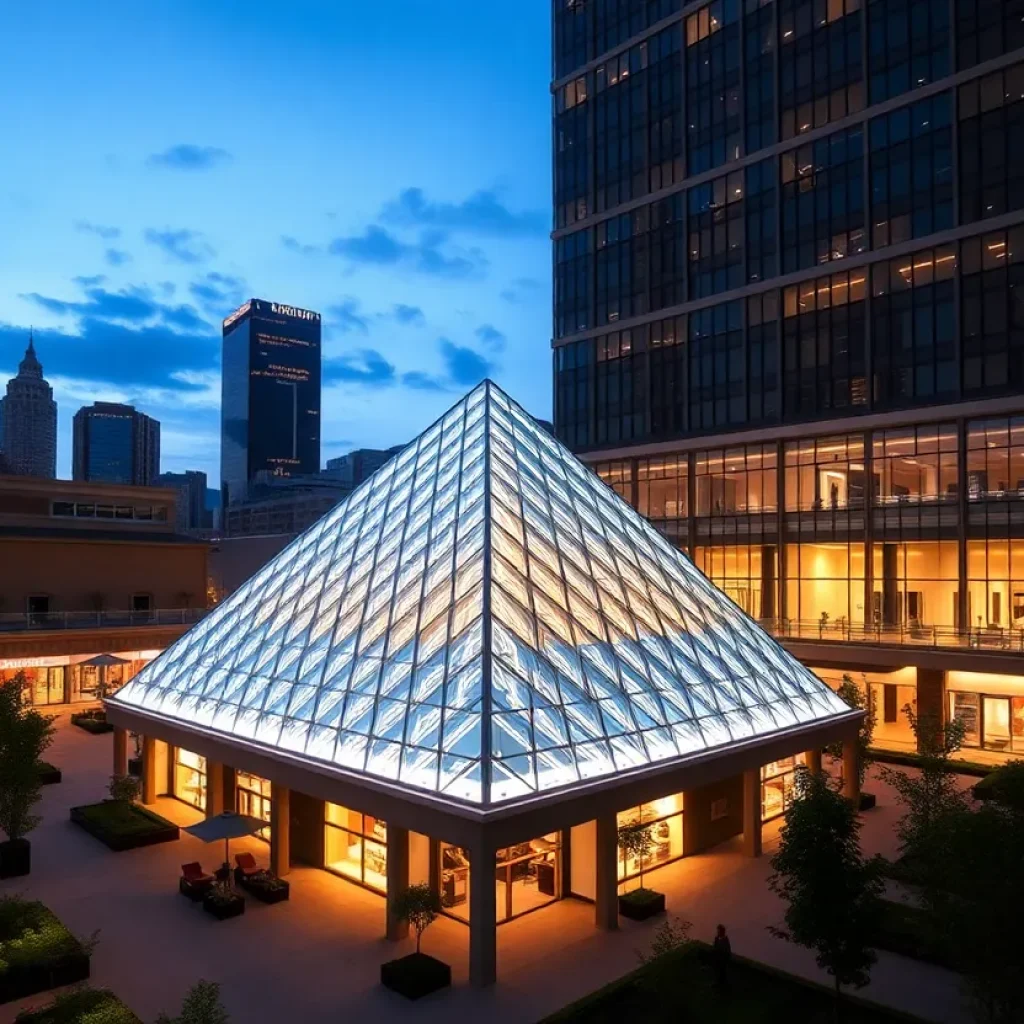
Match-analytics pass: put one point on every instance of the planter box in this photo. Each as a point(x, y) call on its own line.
point(49, 775)
point(641, 904)
point(196, 893)
point(92, 724)
point(160, 830)
point(27, 981)
point(15, 858)
point(222, 910)
point(265, 894)
point(415, 975)
point(867, 801)
point(86, 1004)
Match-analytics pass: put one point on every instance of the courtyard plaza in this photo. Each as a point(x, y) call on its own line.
point(317, 957)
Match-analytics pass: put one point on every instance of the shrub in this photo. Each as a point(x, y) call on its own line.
point(24, 736)
point(202, 1005)
point(124, 788)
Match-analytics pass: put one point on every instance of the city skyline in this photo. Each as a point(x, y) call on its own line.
point(427, 252)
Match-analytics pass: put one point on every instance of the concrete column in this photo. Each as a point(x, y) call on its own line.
point(483, 939)
point(606, 871)
point(120, 751)
point(398, 879)
point(890, 586)
point(752, 812)
point(230, 788)
point(931, 699)
point(214, 788)
point(813, 759)
point(851, 775)
point(148, 770)
point(280, 824)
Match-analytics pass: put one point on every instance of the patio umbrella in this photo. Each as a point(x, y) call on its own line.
point(103, 662)
point(227, 825)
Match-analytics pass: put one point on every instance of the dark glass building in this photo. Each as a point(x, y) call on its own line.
point(789, 319)
point(270, 395)
point(116, 444)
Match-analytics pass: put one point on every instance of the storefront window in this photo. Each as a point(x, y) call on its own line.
point(42, 685)
point(355, 845)
point(736, 480)
point(455, 880)
point(915, 465)
point(991, 708)
point(825, 585)
point(665, 816)
point(529, 875)
point(778, 786)
point(827, 473)
point(916, 584)
point(190, 778)
point(253, 794)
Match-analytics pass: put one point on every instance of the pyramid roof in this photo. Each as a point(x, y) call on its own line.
point(483, 620)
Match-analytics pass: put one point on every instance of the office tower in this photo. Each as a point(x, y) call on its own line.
point(359, 465)
point(116, 444)
point(28, 421)
point(789, 320)
point(191, 511)
point(270, 395)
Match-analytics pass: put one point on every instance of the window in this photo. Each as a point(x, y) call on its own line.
point(573, 381)
point(908, 45)
point(661, 487)
point(911, 172)
point(826, 473)
point(716, 235)
point(574, 266)
point(619, 385)
point(995, 584)
point(667, 358)
point(761, 202)
point(618, 476)
point(571, 31)
point(991, 113)
point(992, 311)
point(915, 585)
point(190, 778)
point(823, 344)
point(747, 573)
point(716, 367)
point(253, 796)
point(915, 464)
point(142, 602)
point(665, 109)
point(759, 72)
point(987, 29)
point(664, 818)
point(571, 161)
point(913, 327)
point(825, 587)
point(529, 875)
point(616, 20)
point(667, 252)
point(732, 480)
point(621, 264)
point(820, 72)
point(995, 459)
point(713, 86)
point(778, 786)
point(355, 845)
point(763, 356)
point(823, 201)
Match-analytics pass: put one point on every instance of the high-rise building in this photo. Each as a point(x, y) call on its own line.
point(117, 444)
point(359, 465)
point(191, 505)
point(789, 321)
point(270, 395)
point(28, 421)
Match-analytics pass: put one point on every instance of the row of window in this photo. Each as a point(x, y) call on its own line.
point(804, 353)
point(92, 510)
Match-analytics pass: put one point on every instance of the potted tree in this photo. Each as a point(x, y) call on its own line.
point(417, 974)
point(635, 841)
point(24, 736)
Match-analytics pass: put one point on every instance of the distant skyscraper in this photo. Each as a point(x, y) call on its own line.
point(191, 506)
point(28, 421)
point(117, 444)
point(270, 395)
point(355, 467)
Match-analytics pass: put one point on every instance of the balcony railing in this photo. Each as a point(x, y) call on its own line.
point(14, 622)
point(988, 638)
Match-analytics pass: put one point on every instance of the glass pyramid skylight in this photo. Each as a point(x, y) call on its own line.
point(483, 619)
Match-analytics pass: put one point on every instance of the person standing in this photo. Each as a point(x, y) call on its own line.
point(721, 955)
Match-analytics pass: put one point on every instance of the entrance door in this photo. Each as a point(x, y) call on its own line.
point(996, 723)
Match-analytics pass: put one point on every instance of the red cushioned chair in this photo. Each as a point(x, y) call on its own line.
point(246, 867)
point(194, 882)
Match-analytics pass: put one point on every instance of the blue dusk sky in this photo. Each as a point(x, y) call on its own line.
point(387, 165)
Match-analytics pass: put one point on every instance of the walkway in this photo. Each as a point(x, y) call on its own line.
point(316, 959)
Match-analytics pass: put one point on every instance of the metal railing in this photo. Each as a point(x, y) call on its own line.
point(13, 622)
point(987, 638)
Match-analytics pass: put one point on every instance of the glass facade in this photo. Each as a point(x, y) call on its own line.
point(253, 798)
point(189, 778)
point(778, 786)
point(664, 820)
point(356, 846)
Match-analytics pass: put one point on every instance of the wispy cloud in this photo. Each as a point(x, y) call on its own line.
point(377, 246)
point(182, 245)
point(464, 366)
point(491, 337)
point(188, 157)
point(412, 315)
point(481, 213)
point(366, 366)
point(292, 244)
point(104, 231)
point(218, 293)
point(117, 257)
point(345, 316)
point(520, 289)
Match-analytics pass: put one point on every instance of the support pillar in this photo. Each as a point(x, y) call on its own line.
point(230, 788)
point(851, 770)
point(280, 825)
point(606, 873)
point(752, 812)
point(120, 751)
point(812, 758)
point(214, 788)
point(931, 701)
point(148, 770)
point(398, 879)
point(483, 939)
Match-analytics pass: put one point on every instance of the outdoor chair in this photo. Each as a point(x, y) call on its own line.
point(194, 882)
point(246, 867)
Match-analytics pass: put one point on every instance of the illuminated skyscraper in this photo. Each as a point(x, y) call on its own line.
point(28, 421)
point(270, 395)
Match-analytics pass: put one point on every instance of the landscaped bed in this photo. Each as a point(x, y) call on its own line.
point(681, 987)
point(124, 826)
point(87, 1004)
point(94, 721)
point(37, 952)
point(908, 759)
point(905, 930)
point(49, 774)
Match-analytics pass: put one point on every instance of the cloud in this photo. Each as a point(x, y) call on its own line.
point(377, 246)
point(420, 381)
point(408, 314)
point(366, 366)
point(515, 292)
point(182, 245)
point(218, 293)
point(292, 244)
point(102, 230)
point(482, 213)
point(464, 366)
point(491, 337)
point(188, 157)
point(346, 316)
point(90, 282)
point(117, 257)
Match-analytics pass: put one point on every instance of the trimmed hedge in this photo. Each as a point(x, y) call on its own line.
point(124, 826)
point(94, 721)
point(37, 951)
point(909, 759)
point(84, 1004)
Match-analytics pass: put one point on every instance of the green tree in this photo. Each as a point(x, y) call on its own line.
point(124, 788)
point(419, 905)
point(635, 840)
point(832, 893)
point(24, 736)
point(856, 696)
point(202, 1005)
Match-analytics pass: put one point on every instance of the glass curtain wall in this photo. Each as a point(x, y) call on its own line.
point(528, 876)
point(916, 585)
point(825, 473)
point(825, 585)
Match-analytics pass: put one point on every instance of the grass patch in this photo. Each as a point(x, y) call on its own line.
point(123, 825)
point(87, 1004)
point(681, 987)
point(906, 930)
